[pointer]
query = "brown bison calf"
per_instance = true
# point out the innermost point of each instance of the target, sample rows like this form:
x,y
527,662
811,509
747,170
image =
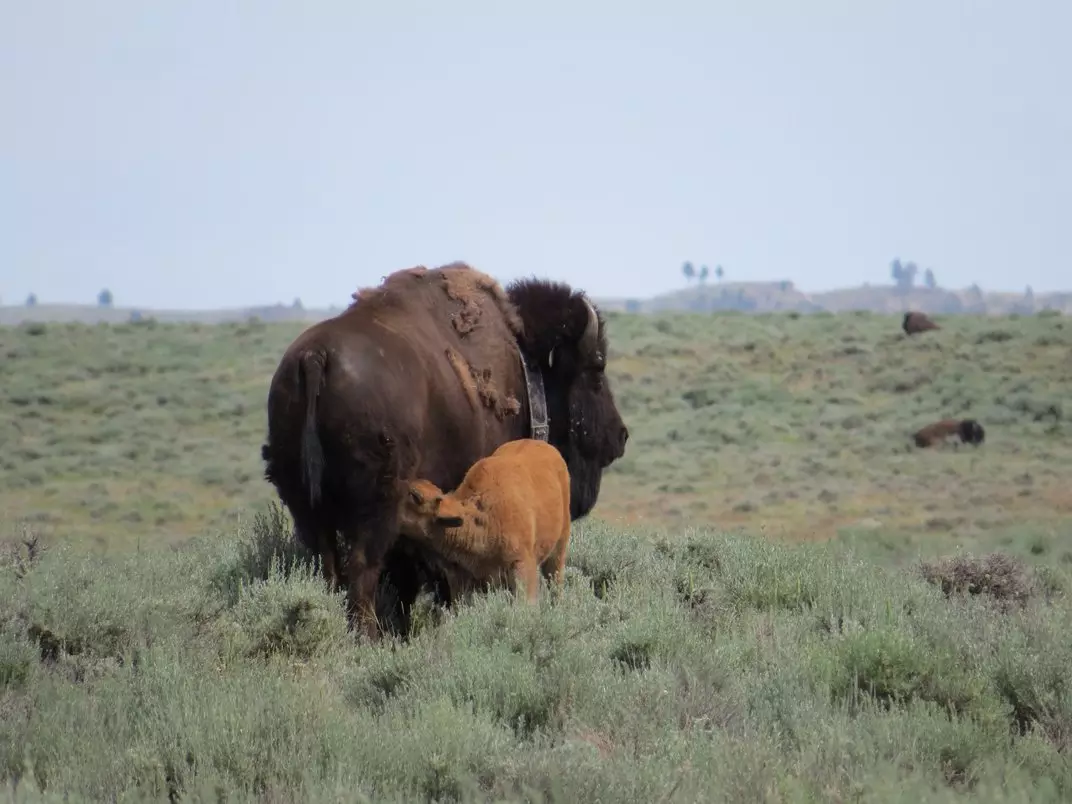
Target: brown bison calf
x,y
917,322
969,430
508,520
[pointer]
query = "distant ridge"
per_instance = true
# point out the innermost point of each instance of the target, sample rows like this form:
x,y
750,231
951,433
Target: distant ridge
x,y
712,297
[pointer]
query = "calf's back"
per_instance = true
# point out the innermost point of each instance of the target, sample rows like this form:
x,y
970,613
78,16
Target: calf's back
x,y
525,491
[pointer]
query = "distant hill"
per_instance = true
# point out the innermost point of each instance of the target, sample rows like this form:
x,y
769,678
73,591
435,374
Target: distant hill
x,y
91,314
710,297
765,297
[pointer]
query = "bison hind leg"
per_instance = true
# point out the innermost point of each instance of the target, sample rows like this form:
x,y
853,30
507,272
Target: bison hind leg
x,y
525,579
319,538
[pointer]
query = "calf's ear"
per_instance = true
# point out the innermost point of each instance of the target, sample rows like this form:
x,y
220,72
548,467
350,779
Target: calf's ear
x,y
448,513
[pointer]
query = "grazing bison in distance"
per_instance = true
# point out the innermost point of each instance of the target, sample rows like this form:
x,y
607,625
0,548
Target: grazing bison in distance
x,y
508,520
969,430
421,377
917,322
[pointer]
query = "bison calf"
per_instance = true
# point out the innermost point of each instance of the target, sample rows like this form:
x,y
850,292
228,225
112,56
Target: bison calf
x,y
917,322
969,430
508,520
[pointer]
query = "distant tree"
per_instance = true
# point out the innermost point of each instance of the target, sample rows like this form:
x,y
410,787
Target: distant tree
x,y
719,272
904,274
785,285
928,279
688,270
297,305
31,300
703,274
104,298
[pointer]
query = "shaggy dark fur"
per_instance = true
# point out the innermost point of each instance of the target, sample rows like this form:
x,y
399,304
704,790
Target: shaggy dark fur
x,y
385,392
917,322
969,430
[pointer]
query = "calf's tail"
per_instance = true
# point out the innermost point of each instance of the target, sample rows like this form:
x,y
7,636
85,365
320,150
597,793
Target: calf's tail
x,y
311,372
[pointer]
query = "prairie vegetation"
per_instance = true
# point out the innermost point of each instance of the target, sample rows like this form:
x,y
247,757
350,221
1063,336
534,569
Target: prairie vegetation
x,y
777,598
789,426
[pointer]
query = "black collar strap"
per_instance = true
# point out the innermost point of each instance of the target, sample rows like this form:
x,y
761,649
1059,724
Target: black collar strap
x,y
538,425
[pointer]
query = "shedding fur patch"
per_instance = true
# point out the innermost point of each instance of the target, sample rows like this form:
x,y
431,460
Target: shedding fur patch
x,y
464,373
471,288
480,389
494,400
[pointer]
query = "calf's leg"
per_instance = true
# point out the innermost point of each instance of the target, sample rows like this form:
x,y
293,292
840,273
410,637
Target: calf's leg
x,y
526,572
555,564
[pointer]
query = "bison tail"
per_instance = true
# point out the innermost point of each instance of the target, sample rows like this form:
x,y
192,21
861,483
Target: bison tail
x,y
312,451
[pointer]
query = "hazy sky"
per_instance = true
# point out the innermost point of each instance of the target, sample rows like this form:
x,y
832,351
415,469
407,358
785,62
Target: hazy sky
x,y
223,153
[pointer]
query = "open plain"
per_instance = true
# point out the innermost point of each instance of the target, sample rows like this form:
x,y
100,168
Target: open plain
x,y
755,610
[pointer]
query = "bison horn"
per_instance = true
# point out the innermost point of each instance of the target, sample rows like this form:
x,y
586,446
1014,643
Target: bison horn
x,y
590,337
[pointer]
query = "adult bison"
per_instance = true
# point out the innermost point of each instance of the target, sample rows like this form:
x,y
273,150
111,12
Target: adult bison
x,y
421,377
915,323
969,430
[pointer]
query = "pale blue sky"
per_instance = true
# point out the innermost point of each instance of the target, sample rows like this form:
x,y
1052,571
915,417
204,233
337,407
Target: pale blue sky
x,y
222,153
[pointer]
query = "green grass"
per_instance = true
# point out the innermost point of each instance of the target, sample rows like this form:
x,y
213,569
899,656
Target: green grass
x,y
745,615
692,665
794,427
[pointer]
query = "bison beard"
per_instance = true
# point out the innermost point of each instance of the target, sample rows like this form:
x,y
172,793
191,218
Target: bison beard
x,y
388,406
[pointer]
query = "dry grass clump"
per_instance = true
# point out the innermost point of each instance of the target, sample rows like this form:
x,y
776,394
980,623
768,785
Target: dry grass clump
x,y
997,575
21,552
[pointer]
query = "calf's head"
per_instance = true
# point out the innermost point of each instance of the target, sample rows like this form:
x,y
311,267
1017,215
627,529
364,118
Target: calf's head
x,y
424,509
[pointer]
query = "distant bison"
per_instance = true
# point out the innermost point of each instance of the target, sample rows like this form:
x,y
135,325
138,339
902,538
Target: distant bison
x,y
507,521
969,430
917,322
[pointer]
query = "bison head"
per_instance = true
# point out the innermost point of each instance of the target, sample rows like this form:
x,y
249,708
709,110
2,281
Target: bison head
x,y
971,432
564,331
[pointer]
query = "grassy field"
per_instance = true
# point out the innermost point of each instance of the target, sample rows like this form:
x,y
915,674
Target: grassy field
x,y
677,665
745,616
788,427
